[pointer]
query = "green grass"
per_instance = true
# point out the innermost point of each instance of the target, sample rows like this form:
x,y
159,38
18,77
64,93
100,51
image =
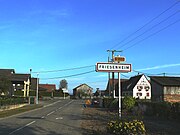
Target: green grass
x,y
11,112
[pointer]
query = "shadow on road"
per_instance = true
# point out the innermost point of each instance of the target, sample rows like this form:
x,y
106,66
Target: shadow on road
x,y
27,117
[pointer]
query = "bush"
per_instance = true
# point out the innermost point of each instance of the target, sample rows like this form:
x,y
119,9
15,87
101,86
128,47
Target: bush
x,y
114,104
107,102
128,103
124,127
19,93
12,100
164,110
175,111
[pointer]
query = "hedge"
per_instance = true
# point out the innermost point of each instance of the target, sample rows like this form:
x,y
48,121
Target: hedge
x,y
12,100
41,94
163,110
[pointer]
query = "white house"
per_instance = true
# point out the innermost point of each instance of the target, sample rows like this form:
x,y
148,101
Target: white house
x,y
138,87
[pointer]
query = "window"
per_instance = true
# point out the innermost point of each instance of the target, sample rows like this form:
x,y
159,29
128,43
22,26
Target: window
x,y
139,88
139,94
146,88
147,94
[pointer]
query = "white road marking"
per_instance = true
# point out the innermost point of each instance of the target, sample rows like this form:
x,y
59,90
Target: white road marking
x,y
59,118
52,103
60,108
22,127
50,113
66,104
43,116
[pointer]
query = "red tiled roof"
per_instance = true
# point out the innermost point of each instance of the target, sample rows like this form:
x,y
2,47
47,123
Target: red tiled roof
x,y
48,87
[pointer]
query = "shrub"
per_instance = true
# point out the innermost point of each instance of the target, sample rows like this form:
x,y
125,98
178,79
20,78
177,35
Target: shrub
x,y
175,111
124,127
107,102
164,110
128,102
114,104
19,93
12,100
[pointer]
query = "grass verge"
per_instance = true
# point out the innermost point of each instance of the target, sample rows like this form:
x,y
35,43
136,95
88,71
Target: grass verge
x,y
11,112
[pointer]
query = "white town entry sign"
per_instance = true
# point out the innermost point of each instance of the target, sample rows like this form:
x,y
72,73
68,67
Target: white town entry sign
x,y
112,67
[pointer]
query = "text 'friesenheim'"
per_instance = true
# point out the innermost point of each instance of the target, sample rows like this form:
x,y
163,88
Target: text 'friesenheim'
x,y
114,67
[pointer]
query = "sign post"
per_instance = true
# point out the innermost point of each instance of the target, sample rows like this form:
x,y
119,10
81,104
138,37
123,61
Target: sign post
x,y
119,77
64,91
115,67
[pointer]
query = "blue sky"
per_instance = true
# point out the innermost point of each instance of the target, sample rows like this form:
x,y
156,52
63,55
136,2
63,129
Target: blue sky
x,y
45,35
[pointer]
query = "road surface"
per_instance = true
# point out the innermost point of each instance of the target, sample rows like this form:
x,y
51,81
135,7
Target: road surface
x,y
62,117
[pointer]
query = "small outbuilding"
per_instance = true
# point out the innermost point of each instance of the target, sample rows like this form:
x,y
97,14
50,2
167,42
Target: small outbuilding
x,y
165,88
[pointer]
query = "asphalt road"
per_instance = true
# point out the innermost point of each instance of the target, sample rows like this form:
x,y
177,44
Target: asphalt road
x,y
62,117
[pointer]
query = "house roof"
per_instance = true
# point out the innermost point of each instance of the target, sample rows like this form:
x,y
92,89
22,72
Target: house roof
x,y
166,80
131,83
12,76
128,85
116,81
82,85
47,87
6,72
20,77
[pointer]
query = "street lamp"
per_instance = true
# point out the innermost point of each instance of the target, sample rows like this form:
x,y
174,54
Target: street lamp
x,y
37,89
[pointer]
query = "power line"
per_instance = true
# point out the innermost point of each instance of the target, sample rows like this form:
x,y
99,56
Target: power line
x,y
125,76
150,28
60,70
157,74
68,75
151,35
175,74
121,42
174,4
148,74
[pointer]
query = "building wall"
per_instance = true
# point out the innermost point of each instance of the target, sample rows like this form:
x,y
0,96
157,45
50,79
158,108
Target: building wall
x,y
157,91
171,90
172,94
83,89
142,89
86,89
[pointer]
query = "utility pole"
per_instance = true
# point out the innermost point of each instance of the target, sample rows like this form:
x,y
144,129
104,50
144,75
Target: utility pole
x,y
112,60
37,89
109,91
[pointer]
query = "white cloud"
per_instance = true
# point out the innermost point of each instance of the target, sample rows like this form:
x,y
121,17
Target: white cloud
x,y
159,67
